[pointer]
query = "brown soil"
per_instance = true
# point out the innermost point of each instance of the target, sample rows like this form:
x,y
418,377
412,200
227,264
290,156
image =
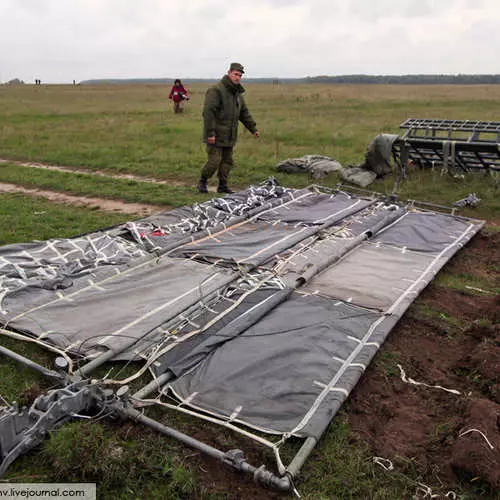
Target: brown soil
x,y
399,419
29,395
141,209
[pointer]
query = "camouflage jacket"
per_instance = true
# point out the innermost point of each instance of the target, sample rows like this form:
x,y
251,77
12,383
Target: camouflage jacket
x,y
224,107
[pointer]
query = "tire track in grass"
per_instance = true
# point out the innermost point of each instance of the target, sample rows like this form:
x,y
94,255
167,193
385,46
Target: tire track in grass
x,y
90,202
141,209
99,173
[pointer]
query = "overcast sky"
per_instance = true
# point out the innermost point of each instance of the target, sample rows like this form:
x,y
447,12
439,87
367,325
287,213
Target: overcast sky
x,y
61,40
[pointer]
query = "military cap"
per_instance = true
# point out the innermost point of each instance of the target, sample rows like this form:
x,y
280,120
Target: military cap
x,y
236,67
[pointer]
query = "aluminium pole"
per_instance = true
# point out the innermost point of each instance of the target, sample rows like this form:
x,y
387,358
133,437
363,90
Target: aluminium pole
x,y
31,364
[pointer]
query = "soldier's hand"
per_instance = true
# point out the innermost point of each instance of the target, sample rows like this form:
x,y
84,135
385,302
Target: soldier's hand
x,y
211,140
256,134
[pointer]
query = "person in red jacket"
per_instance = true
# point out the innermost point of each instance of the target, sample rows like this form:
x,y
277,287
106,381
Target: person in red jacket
x,y
178,94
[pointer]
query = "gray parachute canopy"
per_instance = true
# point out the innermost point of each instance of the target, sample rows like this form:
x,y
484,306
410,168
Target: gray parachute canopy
x,y
265,306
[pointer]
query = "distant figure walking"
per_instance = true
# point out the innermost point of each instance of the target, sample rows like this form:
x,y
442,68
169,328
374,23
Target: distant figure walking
x,y
178,95
224,108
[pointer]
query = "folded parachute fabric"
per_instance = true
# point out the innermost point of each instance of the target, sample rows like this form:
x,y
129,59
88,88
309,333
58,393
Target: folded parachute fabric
x,y
316,166
378,157
378,162
358,176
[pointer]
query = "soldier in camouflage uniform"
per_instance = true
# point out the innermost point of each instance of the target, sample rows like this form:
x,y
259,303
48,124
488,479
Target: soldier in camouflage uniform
x,y
224,108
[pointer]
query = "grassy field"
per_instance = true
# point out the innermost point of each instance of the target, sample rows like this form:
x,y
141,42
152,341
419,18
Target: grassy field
x,y
132,130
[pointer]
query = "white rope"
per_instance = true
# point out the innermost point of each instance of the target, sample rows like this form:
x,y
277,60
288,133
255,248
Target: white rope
x,y
385,463
156,310
428,269
213,420
5,402
482,434
479,290
49,347
409,380
424,490
160,352
336,377
84,289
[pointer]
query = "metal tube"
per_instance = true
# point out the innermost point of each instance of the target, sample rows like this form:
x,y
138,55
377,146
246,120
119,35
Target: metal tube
x,y
153,385
136,415
108,355
309,444
31,364
235,328
301,236
331,259
302,455
233,458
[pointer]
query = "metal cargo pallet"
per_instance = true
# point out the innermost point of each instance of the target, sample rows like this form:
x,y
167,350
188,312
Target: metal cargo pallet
x,y
461,145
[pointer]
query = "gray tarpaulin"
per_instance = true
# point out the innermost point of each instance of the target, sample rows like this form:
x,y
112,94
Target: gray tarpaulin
x,y
255,242
290,372
104,313
274,372
267,305
316,209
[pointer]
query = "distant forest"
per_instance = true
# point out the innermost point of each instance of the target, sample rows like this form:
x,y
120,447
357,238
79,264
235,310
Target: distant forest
x,y
354,79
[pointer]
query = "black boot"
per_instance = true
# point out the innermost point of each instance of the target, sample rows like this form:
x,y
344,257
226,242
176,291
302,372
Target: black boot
x,y
223,188
202,185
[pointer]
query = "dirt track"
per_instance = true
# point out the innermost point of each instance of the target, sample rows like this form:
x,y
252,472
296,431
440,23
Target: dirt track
x,y
99,173
98,203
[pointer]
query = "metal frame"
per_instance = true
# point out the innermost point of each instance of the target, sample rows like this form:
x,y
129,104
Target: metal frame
x,y
460,145
20,430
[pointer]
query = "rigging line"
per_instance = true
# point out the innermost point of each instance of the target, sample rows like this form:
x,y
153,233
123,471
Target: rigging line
x,y
84,289
149,361
6,403
214,420
155,310
45,345
370,331
247,221
173,344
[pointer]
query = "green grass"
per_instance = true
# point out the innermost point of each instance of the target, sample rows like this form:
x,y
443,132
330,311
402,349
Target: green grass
x,y
26,218
125,464
448,324
462,281
101,187
131,129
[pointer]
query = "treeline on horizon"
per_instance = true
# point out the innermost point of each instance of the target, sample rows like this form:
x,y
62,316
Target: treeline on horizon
x,y
460,79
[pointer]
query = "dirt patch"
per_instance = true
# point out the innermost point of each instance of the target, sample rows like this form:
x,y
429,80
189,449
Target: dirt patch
x,y
29,395
480,257
100,173
402,420
140,209
477,449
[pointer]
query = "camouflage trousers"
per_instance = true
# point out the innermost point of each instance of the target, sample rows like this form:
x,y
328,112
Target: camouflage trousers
x,y
220,160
